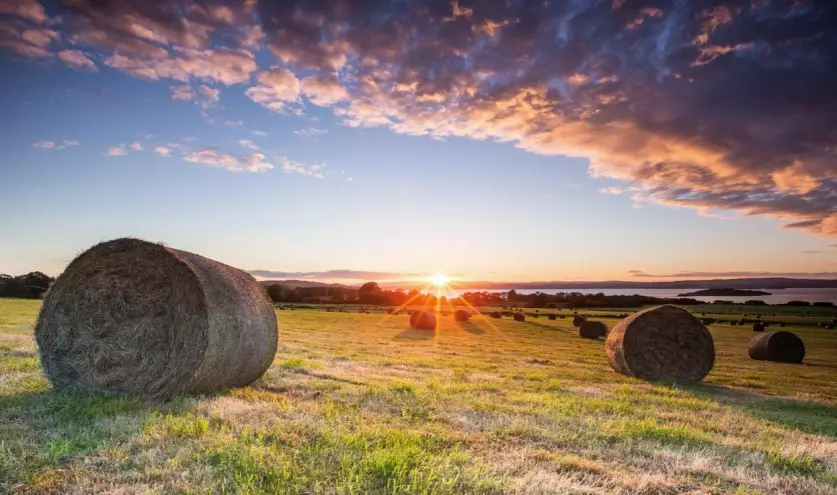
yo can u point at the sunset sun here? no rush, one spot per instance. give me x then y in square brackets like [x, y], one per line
[440, 280]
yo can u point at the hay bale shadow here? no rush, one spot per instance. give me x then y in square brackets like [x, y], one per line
[413, 334]
[809, 417]
[470, 327]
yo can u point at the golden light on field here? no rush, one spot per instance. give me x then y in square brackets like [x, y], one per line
[440, 280]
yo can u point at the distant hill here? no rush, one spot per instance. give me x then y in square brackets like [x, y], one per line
[293, 284]
[775, 283]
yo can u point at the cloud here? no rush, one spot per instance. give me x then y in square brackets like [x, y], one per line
[277, 88]
[30, 10]
[77, 60]
[248, 144]
[258, 133]
[310, 132]
[53, 145]
[136, 146]
[117, 151]
[233, 123]
[163, 150]
[711, 106]
[183, 92]
[293, 167]
[254, 162]
[331, 275]
[323, 90]
[670, 99]
[736, 274]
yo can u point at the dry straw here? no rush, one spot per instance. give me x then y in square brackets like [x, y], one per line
[592, 329]
[461, 315]
[780, 346]
[423, 320]
[661, 343]
[129, 316]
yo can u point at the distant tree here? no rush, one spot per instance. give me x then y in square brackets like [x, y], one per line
[511, 296]
[368, 293]
[823, 304]
[277, 292]
[797, 303]
[755, 302]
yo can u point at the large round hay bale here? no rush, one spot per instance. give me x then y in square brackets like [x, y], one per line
[519, 317]
[461, 315]
[423, 320]
[496, 314]
[130, 316]
[758, 327]
[552, 317]
[661, 343]
[592, 329]
[781, 346]
[578, 320]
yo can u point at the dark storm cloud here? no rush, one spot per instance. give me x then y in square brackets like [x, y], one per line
[704, 104]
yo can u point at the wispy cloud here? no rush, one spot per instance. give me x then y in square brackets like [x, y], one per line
[136, 146]
[258, 133]
[117, 151]
[163, 150]
[45, 144]
[254, 162]
[233, 123]
[293, 167]
[310, 132]
[77, 60]
[248, 144]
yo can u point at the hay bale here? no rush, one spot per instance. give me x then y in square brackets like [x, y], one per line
[592, 329]
[781, 346]
[766, 324]
[423, 320]
[578, 320]
[461, 315]
[519, 317]
[130, 316]
[552, 317]
[829, 326]
[782, 325]
[496, 314]
[708, 321]
[661, 343]
[758, 327]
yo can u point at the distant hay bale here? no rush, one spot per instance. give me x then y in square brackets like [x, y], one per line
[578, 320]
[390, 311]
[552, 317]
[781, 346]
[423, 320]
[766, 324]
[130, 316]
[829, 326]
[519, 317]
[708, 321]
[758, 327]
[781, 325]
[461, 315]
[496, 314]
[661, 343]
[592, 329]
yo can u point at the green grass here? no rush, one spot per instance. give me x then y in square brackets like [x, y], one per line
[359, 403]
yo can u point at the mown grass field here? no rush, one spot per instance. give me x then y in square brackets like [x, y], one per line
[358, 403]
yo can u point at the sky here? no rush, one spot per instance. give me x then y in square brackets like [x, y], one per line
[389, 140]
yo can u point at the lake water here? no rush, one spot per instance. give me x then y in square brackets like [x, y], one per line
[778, 296]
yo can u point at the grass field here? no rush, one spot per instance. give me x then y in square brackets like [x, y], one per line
[358, 403]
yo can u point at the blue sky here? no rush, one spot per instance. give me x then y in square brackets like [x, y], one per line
[298, 161]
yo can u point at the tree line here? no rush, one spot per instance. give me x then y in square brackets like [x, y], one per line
[29, 286]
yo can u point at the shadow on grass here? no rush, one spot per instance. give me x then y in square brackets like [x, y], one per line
[552, 328]
[413, 334]
[470, 327]
[47, 429]
[809, 417]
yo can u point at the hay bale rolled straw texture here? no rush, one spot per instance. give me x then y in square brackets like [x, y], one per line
[781, 346]
[423, 320]
[519, 317]
[661, 343]
[130, 316]
[461, 315]
[578, 320]
[758, 327]
[592, 329]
